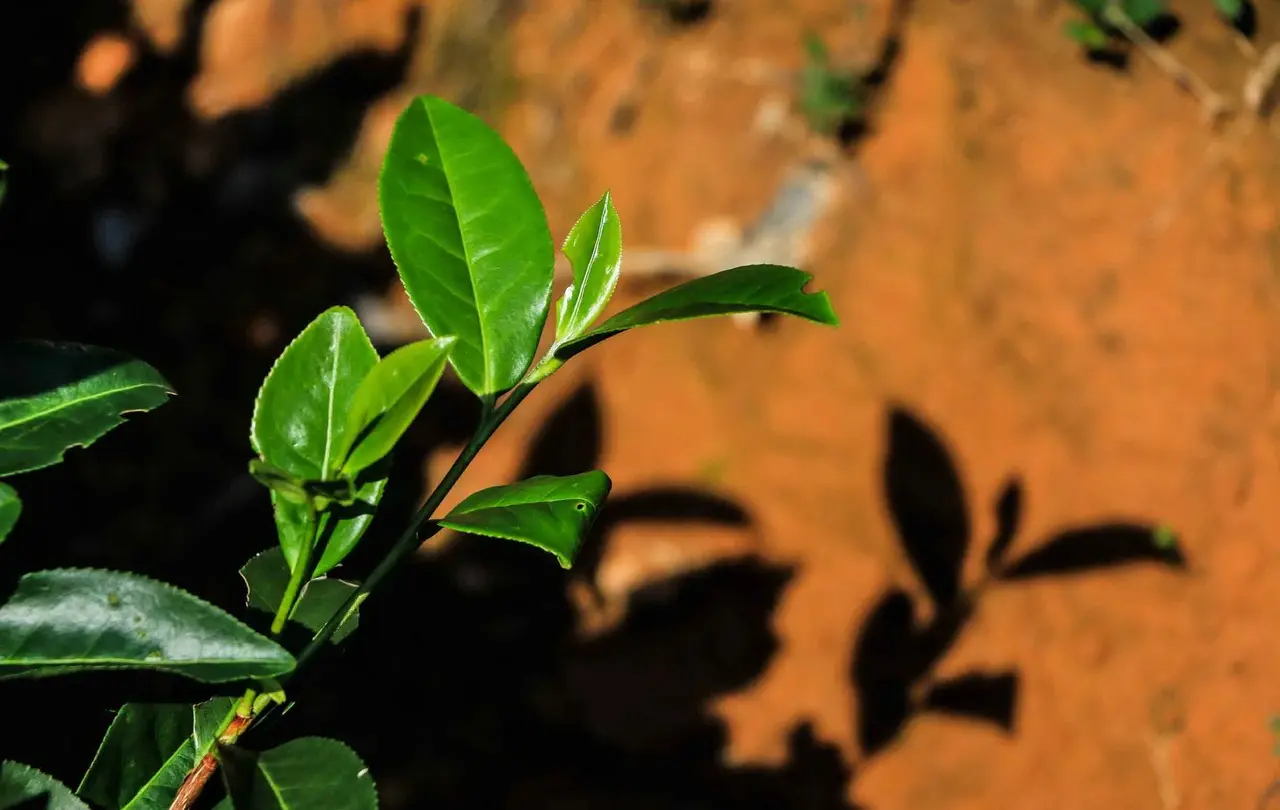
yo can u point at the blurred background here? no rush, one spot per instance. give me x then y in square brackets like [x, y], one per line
[1003, 539]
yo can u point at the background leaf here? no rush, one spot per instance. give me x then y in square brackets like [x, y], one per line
[470, 239]
[267, 574]
[301, 409]
[1080, 551]
[594, 250]
[22, 786]
[1144, 12]
[54, 396]
[285, 778]
[10, 509]
[1231, 9]
[751, 288]
[1086, 33]
[551, 512]
[389, 399]
[69, 620]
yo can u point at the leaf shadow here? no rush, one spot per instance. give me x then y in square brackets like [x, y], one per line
[896, 652]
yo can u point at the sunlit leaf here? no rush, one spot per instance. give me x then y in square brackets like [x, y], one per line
[752, 288]
[389, 399]
[265, 577]
[54, 396]
[594, 250]
[469, 236]
[301, 410]
[551, 512]
[70, 620]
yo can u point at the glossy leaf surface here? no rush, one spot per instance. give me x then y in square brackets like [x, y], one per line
[24, 788]
[751, 288]
[551, 512]
[54, 396]
[69, 620]
[10, 509]
[594, 251]
[389, 399]
[301, 410]
[470, 239]
[309, 773]
[147, 752]
[265, 577]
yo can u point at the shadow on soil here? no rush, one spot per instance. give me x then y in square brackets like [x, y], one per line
[895, 653]
[141, 229]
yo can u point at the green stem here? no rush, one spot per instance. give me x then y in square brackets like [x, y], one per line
[413, 536]
[300, 571]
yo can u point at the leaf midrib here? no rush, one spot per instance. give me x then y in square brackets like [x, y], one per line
[73, 403]
[466, 252]
[586, 271]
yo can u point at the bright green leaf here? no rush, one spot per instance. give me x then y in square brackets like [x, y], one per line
[309, 773]
[69, 620]
[301, 410]
[1086, 34]
[470, 240]
[752, 288]
[54, 396]
[10, 509]
[24, 788]
[551, 512]
[265, 577]
[389, 399]
[341, 527]
[594, 250]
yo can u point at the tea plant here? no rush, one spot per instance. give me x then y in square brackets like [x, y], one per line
[831, 98]
[471, 242]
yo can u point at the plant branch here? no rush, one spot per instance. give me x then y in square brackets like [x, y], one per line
[413, 536]
[301, 569]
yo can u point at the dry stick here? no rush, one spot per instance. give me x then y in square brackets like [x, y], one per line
[1213, 104]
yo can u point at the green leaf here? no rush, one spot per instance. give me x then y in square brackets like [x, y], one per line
[752, 288]
[265, 577]
[1233, 10]
[389, 399]
[594, 250]
[54, 396]
[551, 512]
[309, 773]
[816, 49]
[10, 509]
[1086, 34]
[148, 750]
[1144, 12]
[301, 410]
[341, 527]
[69, 620]
[470, 239]
[22, 786]
[1093, 8]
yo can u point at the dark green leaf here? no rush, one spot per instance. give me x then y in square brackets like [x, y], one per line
[24, 788]
[147, 752]
[1144, 12]
[389, 399]
[1086, 33]
[309, 773]
[753, 288]
[1233, 10]
[54, 396]
[267, 574]
[1093, 8]
[470, 239]
[69, 620]
[594, 250]
[301, 411]
[551, 512]
[10, 509]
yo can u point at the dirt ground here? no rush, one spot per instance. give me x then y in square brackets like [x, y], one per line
[1000, 287]
[996, 277]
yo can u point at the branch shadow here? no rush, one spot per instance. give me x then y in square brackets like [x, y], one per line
[895, 653]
